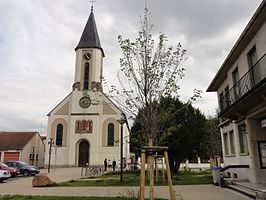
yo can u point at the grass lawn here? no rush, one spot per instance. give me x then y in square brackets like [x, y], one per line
[192, 178]
[18, 197]
[132, 179]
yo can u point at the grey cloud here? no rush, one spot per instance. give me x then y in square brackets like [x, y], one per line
[201, 18]
[37, 41]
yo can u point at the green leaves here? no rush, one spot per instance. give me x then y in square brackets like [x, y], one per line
[183, 128]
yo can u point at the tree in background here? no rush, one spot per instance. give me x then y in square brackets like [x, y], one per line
[212, 139]
[184, 129]
[150, 72]
[183, 132]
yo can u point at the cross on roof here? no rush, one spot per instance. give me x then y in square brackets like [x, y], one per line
[92, 1]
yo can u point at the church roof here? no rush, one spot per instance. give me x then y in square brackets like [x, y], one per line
[90, 37]
[15, 140]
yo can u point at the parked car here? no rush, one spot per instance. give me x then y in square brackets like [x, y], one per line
[13, 171]
[4, 175]
[24, 168]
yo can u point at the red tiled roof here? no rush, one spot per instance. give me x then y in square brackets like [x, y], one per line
[14, 140]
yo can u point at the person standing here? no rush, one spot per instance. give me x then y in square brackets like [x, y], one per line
[105, 164]
[114, 164]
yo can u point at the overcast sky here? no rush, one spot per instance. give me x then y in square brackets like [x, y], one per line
[38, 37]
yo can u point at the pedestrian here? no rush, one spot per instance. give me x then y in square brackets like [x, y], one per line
[105, 164]
[114, 164]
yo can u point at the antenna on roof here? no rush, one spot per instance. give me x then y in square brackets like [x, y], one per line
[92, 1]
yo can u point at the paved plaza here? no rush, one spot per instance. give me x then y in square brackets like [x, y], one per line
[23, 186]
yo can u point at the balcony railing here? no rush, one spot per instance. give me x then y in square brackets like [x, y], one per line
[251, 79]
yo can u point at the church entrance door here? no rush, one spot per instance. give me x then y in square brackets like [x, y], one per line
[83, 153]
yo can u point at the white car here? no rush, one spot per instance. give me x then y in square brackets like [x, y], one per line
[4, 175]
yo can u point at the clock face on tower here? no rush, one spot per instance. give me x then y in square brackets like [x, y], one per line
[85, 102]
[87, 56]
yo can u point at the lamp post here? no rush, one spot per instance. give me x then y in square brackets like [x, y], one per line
[50, 143]
[121, 122]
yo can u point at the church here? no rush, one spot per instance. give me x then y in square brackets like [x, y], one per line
[85, 127]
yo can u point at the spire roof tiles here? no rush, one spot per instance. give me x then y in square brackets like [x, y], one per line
[90, 37]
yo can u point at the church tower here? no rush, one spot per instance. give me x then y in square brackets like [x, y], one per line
[83, 127]
[89, 58]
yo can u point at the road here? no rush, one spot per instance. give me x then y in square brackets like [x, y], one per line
[23, 186]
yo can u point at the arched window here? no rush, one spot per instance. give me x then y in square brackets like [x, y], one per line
[59, 135]
[86, 76]
[110, 134]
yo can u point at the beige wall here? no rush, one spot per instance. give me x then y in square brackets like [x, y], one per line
[53, 120]
[68, 154]
[95, 65]
[256, 133]
[37, 144]
[237, 158]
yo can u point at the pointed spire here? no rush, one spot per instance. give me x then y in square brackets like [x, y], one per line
[90, 37]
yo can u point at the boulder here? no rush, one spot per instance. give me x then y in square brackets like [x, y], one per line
[41, 181]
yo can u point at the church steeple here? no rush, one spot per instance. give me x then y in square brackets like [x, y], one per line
[90, 37]
[89, 58]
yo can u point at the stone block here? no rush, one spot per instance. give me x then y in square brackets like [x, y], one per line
[41, 181]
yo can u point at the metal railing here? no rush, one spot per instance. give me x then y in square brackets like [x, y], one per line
[252, 78]
[233, 167]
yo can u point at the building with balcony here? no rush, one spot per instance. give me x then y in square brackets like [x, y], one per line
[240, 84]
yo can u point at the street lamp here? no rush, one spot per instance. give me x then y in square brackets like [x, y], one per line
[121, 122]
[50, 143]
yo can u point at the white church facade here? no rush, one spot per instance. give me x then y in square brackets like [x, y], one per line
[83, 127]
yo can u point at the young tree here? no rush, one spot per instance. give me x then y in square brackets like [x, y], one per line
[150, 72]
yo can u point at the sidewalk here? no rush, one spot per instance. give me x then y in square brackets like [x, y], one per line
[23, 186]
